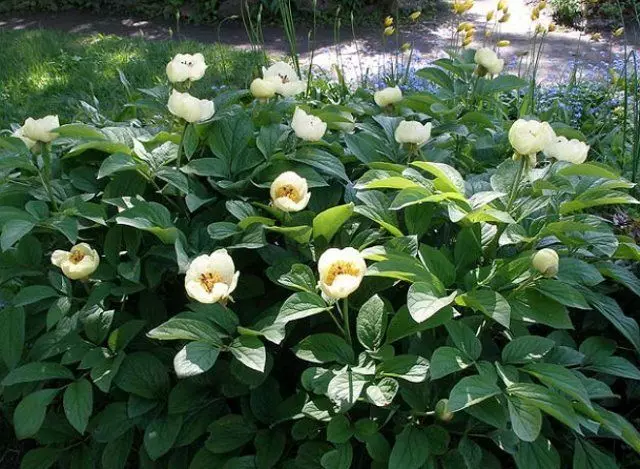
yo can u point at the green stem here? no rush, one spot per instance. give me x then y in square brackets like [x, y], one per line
[516, 183]
[181, 145]
[345, 319]
[45, 174]
[335, 320]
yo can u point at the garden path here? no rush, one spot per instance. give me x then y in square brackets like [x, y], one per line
[430, 37]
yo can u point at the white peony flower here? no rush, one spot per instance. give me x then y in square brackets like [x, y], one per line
[413, 132]
[27, 141]
[289, 192]
[341, 272]
[488, 59]
[189, 108]
[388, 96]
[185, 67]
[562, 149]
[79, 263]
[39, 130]
[285, 79]
[212, 278]
[530, 137]
[546, 262]
[262, 89]
[307, 127]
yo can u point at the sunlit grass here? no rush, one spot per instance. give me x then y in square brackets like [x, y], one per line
[46, 72]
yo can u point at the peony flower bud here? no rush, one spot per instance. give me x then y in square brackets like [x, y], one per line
[442, 411]
[618, 32]
[185, 67]
[546, 262]
[262, 89]
[307, 127]
[388, 96]
[389, 30]
[489, 61]
[490, 15]
[562, 149]
[211, 278]
[78, 263]
[285, 78]
[388, 21]
[413, 132]
[341, 272]
[289, 192]
[530, 137]
[38, 130]
[502, 4]
[415, 15]
[189, 108]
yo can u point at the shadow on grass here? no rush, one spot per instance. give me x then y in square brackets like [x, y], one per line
[47, 72]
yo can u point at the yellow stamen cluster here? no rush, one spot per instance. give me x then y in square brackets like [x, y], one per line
[341, 268]
[76, 256]
[209, 279]
[289, 192]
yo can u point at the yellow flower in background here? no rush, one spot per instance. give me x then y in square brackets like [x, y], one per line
[488, 34]
[618, 32]
[465, 26]
[462, 6]
[503, 43]
[540, 29]
[490, 15]
[341, 272]
[78, 263]
[290, 192]
[389, 30]
[405, 47]
[552, 27]
[546, 262]
[388, 21]
[211, 278]
[307, 126]
[415, 15]
[502, 4]
[388, 96]
[596, 37]
[504, 18]
[535, 14]
[467, 41]
[469, 34]
[542, 5]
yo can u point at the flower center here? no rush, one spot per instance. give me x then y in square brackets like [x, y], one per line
[288, 191]
[209, 279]
[341, 268]
[284, 78]
[76, 256]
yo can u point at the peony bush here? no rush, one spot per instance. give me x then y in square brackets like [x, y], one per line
[258, 280]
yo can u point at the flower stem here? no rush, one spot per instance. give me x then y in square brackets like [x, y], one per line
[181, 145]
[345, 319]
[45, 174]
[516, 183]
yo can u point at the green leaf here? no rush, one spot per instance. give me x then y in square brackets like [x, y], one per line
[30, 412]
[589, 169]
[345, 388]
[13, 231]
[376, 208]
[531, 306]
[270, 445]
[621, 275]
[299, 234]
[78, 404]
[161, 434]
[326, 224]
[301, 305]
[410, 450]
[446, 360]
[383, 392]
[613, 313]
[33, 294]
[537, 455]
[371, 323]
[615, 366]
[339, 458]
[502, 84]
[116, 452]
[298, 277]
[249, 351]
[323, 348]
[378, 448]
[447, 178]
[12, 333]
[152, 217]
[402, 324]
[321, 160]
[412, 368]
[560, 378]
[117, 162]
[589, 456]
[488, 302]
[36, 371]
[548, 402]
[80, 131]
[229, 433]
[195, 358]
[97, 324]
[40, 458]
[471, 390]
[526, 349]
[424, 301]
[339, 429]
[209, 167]
[562, 293]
[526, 419]
[464, 339]
[142, 374]
[187, 326]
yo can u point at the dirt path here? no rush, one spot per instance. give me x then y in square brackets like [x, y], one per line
[430, 38]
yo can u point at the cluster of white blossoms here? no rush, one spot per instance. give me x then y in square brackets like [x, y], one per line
[488, 62]
[188, 68]
[280, 78]
[529, 137]
[78, 263]
[38, 130]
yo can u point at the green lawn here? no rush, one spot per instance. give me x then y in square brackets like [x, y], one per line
[45, 72]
